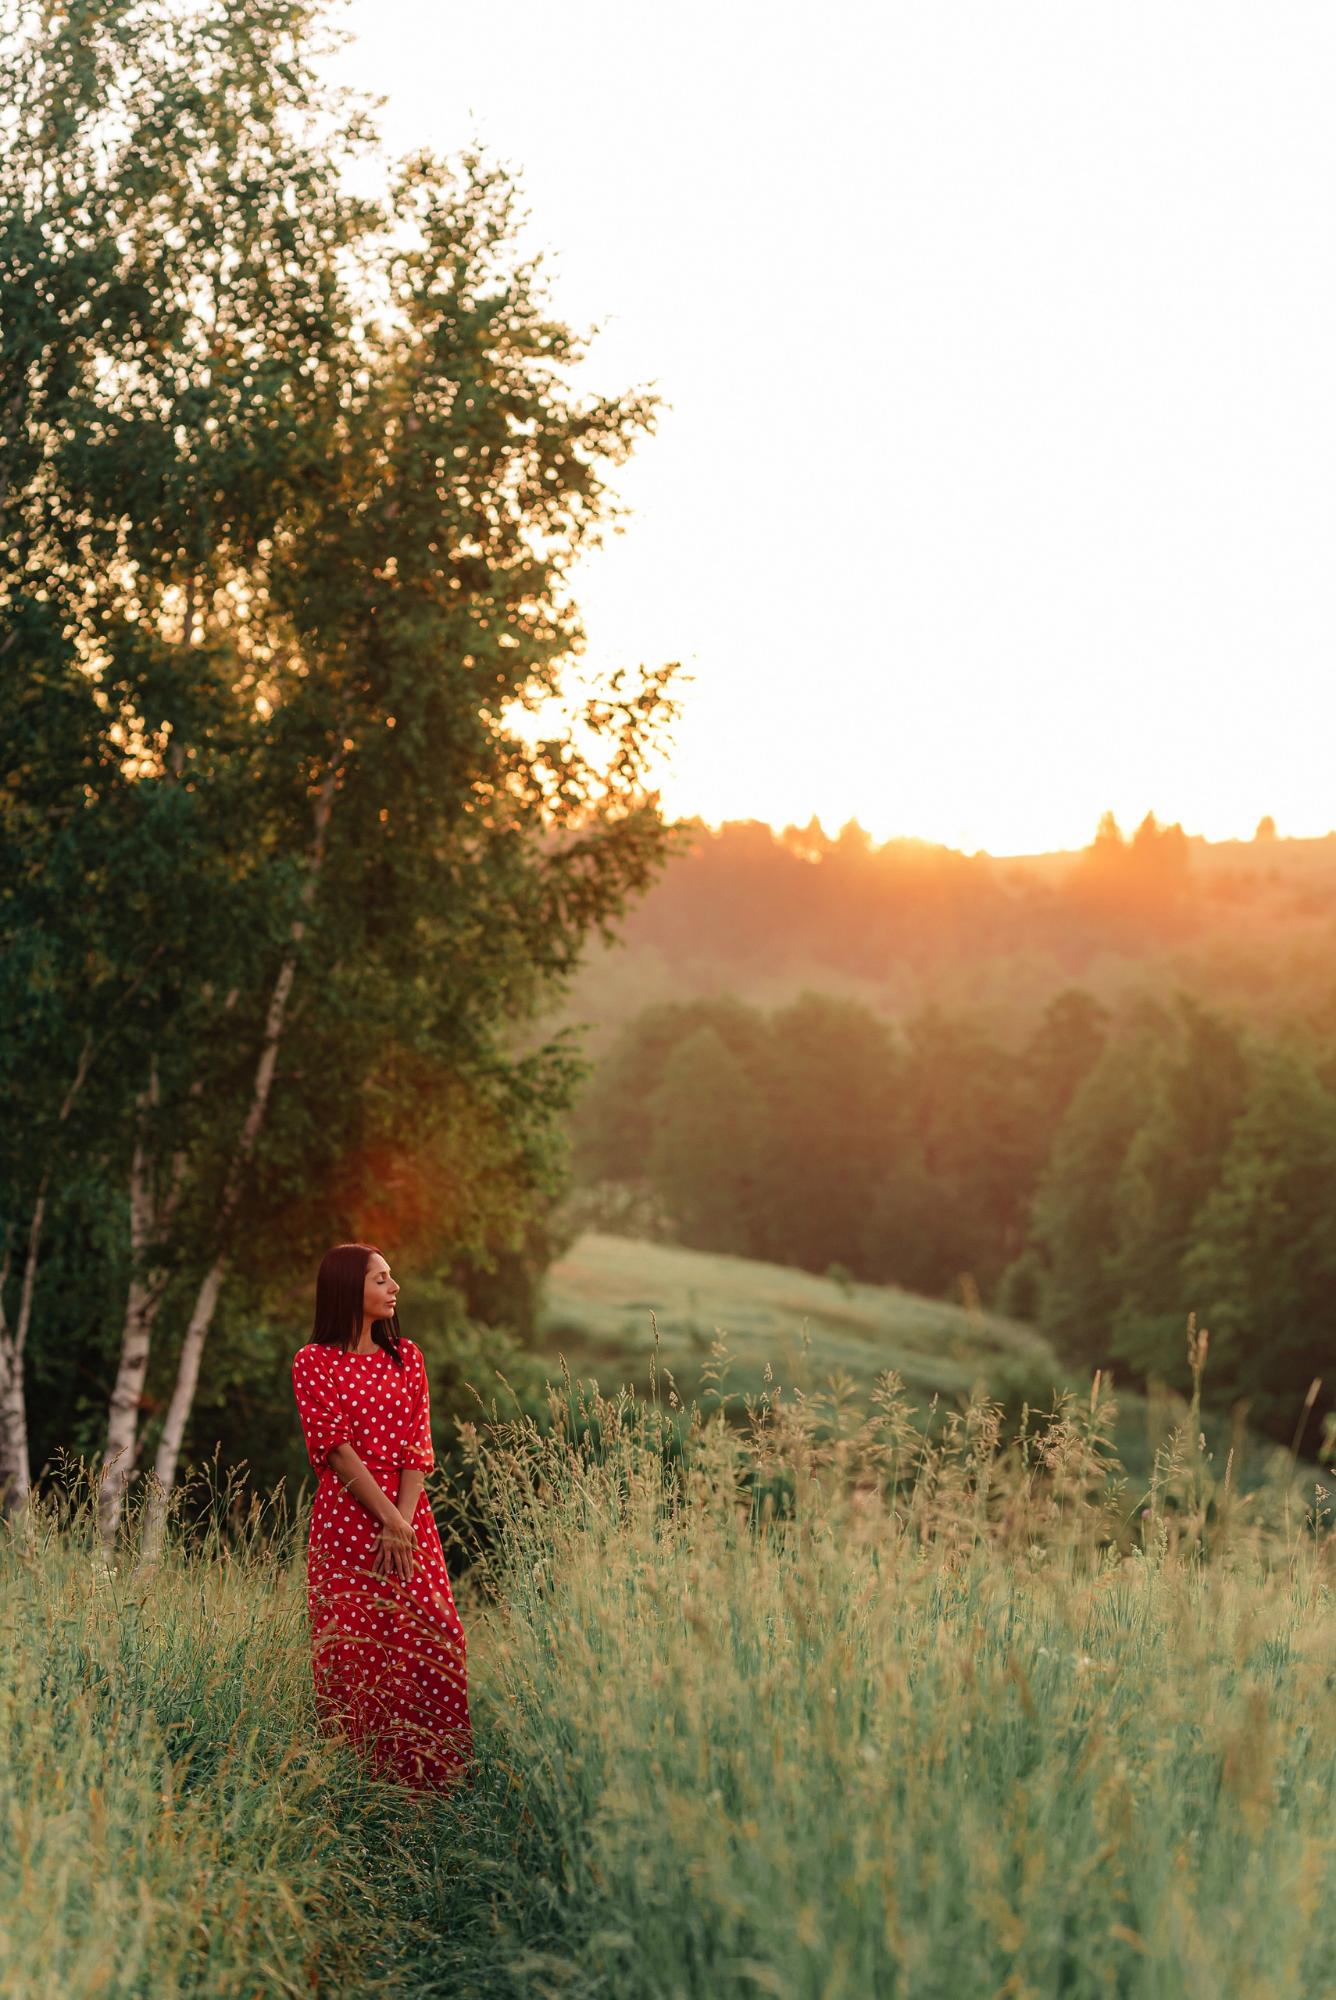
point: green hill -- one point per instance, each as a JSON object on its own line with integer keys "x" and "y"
{"x": 607, "y": 1294}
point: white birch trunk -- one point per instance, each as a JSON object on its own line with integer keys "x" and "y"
{"x": 141, "y": 1310}
{"x": 206, "y": 1299}
{"x": 13, "y": 1401}
{"x": 14, "y": 1471}
{"x": 150, "y": 1220}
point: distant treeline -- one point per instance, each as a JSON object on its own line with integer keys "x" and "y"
{"x": 750, "y": 899}
{"x": 1116, "y": 1172}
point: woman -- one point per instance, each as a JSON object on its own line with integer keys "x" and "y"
{"x": 388, "y": 1654}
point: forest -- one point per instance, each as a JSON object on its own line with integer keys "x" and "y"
{"x": 1102, "y": 1159}
{"x": 902, "y": 923}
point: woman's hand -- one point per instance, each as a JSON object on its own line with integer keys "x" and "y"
{"x": 396, "y": 1549}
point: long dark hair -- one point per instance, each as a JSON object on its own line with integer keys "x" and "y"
{"x": 340, "y": 1285}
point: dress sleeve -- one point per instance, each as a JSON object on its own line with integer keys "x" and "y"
{"x": 325, "y": 1421}
{"x": 417, "y": 1448}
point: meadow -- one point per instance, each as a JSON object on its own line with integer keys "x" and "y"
{"x": 808, "y": 1705}
{"x": 612, "y": 1304}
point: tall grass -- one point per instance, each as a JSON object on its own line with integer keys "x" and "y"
{"x": 831, "y": 1710}
{"x": 170, "y": 1821}
{"x": 814, "y": 1703}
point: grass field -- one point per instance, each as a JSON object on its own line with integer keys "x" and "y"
{"x": 816, "y": 1711}
{"x": 607, "y": 1295}
{"x": 601, "y": 1294}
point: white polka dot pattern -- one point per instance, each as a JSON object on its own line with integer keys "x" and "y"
{"x": 388, "y": 1655}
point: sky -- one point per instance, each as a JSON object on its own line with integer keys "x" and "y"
{"x": 995, "y": 484}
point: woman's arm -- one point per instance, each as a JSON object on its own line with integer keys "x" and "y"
{"x": 387, "y": 1560}
{"x": 362, "y": 1483}
{"x": 411, "y": 1482}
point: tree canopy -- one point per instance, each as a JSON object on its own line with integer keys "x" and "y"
{"x": 294, "y": 483}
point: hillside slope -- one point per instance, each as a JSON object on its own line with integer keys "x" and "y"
{"x": 601, "y": 1294}
{"x": 607, "y": 1294}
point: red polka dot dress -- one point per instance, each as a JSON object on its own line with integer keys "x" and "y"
{"x": 388, "y": 1655}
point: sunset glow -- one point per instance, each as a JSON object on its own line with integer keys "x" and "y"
{"x": 996, "y": 486}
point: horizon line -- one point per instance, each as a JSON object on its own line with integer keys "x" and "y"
{"x": 1256, "y": 839}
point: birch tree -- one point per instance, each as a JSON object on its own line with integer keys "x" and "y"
{"x": 310, "y": 483}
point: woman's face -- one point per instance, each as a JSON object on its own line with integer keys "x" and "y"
{"x": 381, "y": 1290}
